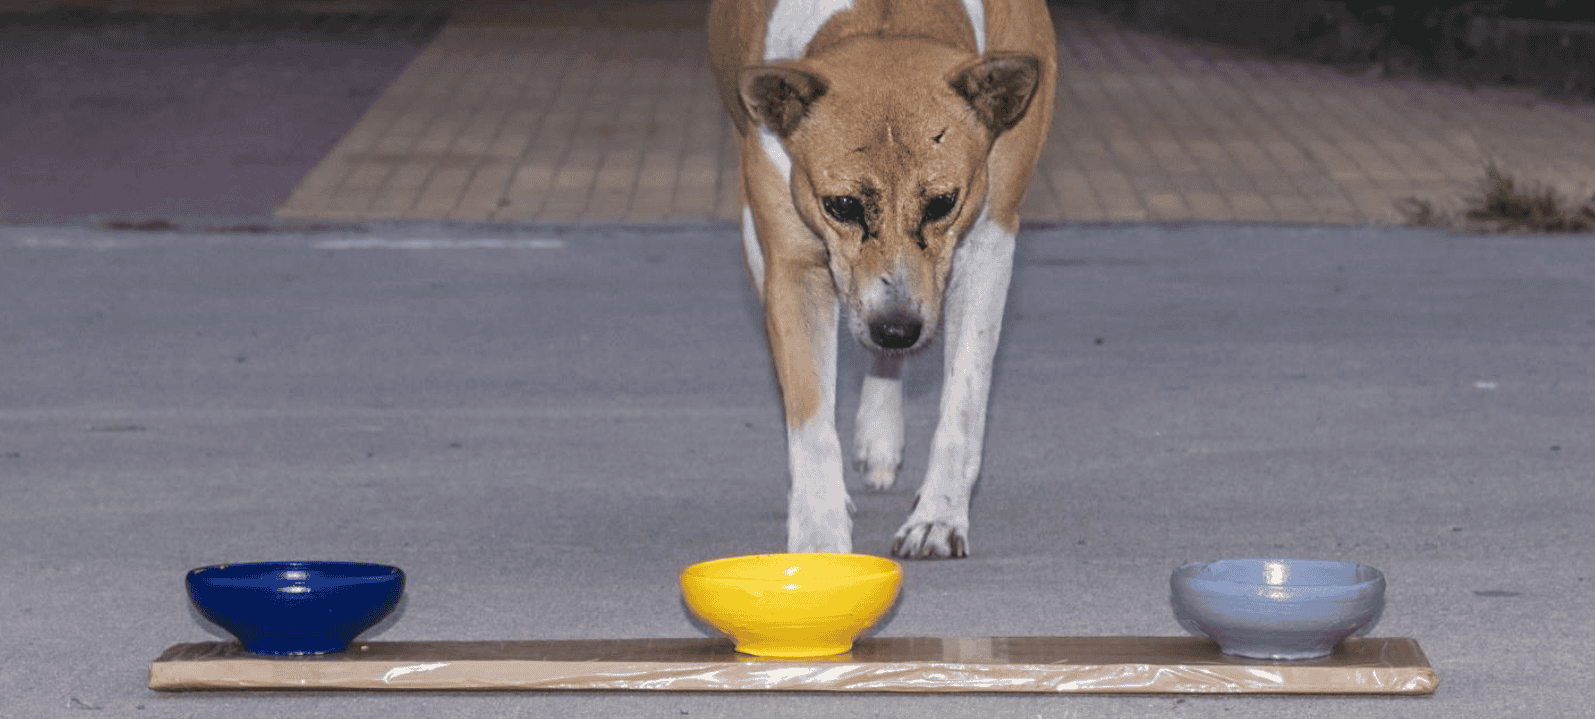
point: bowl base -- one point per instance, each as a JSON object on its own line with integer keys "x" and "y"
{"x": 794, "y": 651}
{"x": 1274, "y": 654}
{"x": 293, "y": 648}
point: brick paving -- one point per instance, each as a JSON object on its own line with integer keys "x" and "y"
{"x": 605, "y": 113}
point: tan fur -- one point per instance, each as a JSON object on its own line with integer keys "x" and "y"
{"x": 1021, "y": 26}
{"x": 882, "y": 139}
{"x": 796, "y": 286}
{"x": 736, "y": 40}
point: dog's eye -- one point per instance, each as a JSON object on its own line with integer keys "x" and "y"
{"x": 940, "y": 206}
{"x": 844, "y": 208}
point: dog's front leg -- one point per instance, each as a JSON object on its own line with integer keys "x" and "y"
{"x": 878, "y": 431}
{"x": 939, "y": 524}
{"x": 801, "y": 314}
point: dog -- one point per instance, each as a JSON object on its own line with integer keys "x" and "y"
{"x": 886, "y": 146}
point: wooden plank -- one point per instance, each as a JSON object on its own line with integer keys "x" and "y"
{"x": 1156, "y": 665}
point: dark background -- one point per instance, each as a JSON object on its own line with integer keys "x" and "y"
{"x": 1542, "y": 43}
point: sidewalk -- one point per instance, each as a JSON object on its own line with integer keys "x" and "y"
{"x": 555, "y": 112}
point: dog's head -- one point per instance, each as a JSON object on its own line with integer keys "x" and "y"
{"x": 889, "y": 140}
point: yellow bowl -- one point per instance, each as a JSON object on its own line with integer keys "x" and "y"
{"x": 792, "y": 605}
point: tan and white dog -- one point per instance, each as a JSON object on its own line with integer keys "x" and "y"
{"x": 886, "y": 145}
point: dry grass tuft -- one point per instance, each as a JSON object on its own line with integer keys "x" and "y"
{"x": 1505, "y": 209}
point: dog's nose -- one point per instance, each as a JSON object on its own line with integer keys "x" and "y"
{"x": 895, "y": 330}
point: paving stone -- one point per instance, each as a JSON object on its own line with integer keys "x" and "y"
{"x": 609, "y": 114}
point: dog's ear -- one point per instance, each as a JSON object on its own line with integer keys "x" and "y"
{"x": 999, "y": 87}
{"x": 779, "y": 97}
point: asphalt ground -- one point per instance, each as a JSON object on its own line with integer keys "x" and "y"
{"x": 542, "y": 424}
{"x": 543, "y": 433}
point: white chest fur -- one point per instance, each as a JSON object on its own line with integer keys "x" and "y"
{"x": 793, "y": 23}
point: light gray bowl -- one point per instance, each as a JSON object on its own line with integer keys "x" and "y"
{"x": 1289, "y": 609}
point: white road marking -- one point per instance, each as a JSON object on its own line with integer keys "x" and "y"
{"x": 378, "y": 243}
{"x": 98, "y": 243}
{"x": 92, "y": 242}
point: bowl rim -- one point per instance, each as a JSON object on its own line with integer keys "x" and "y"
{"x": 884, "y": 567}
{"x": 1191, "y": 572}
{"x": 247, "y": 569}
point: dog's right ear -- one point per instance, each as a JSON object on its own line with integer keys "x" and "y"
{"x": 779, "y": 97}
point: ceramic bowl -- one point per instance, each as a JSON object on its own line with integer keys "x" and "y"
{"x": 792, "y": 605}
{"x": 295, "y": 607}
{"x": 1288, "y": 609}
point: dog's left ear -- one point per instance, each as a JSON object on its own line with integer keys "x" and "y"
{"x": 999, "y": 87}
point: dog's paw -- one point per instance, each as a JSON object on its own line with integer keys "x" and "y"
{"x": 879, "y": 473}
{"x": 931, "y": 540}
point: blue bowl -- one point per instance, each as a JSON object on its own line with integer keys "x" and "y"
{"x": 1286, "y": 609}
{"x": 296, "y": 607}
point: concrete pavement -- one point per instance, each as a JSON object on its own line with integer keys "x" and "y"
{"x": 543, "y": 424}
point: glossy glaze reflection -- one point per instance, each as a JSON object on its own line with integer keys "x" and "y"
{"x": 1285, "y": 609}
{"x": 295, "y": 607}
{"x": 792, "y": 605}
